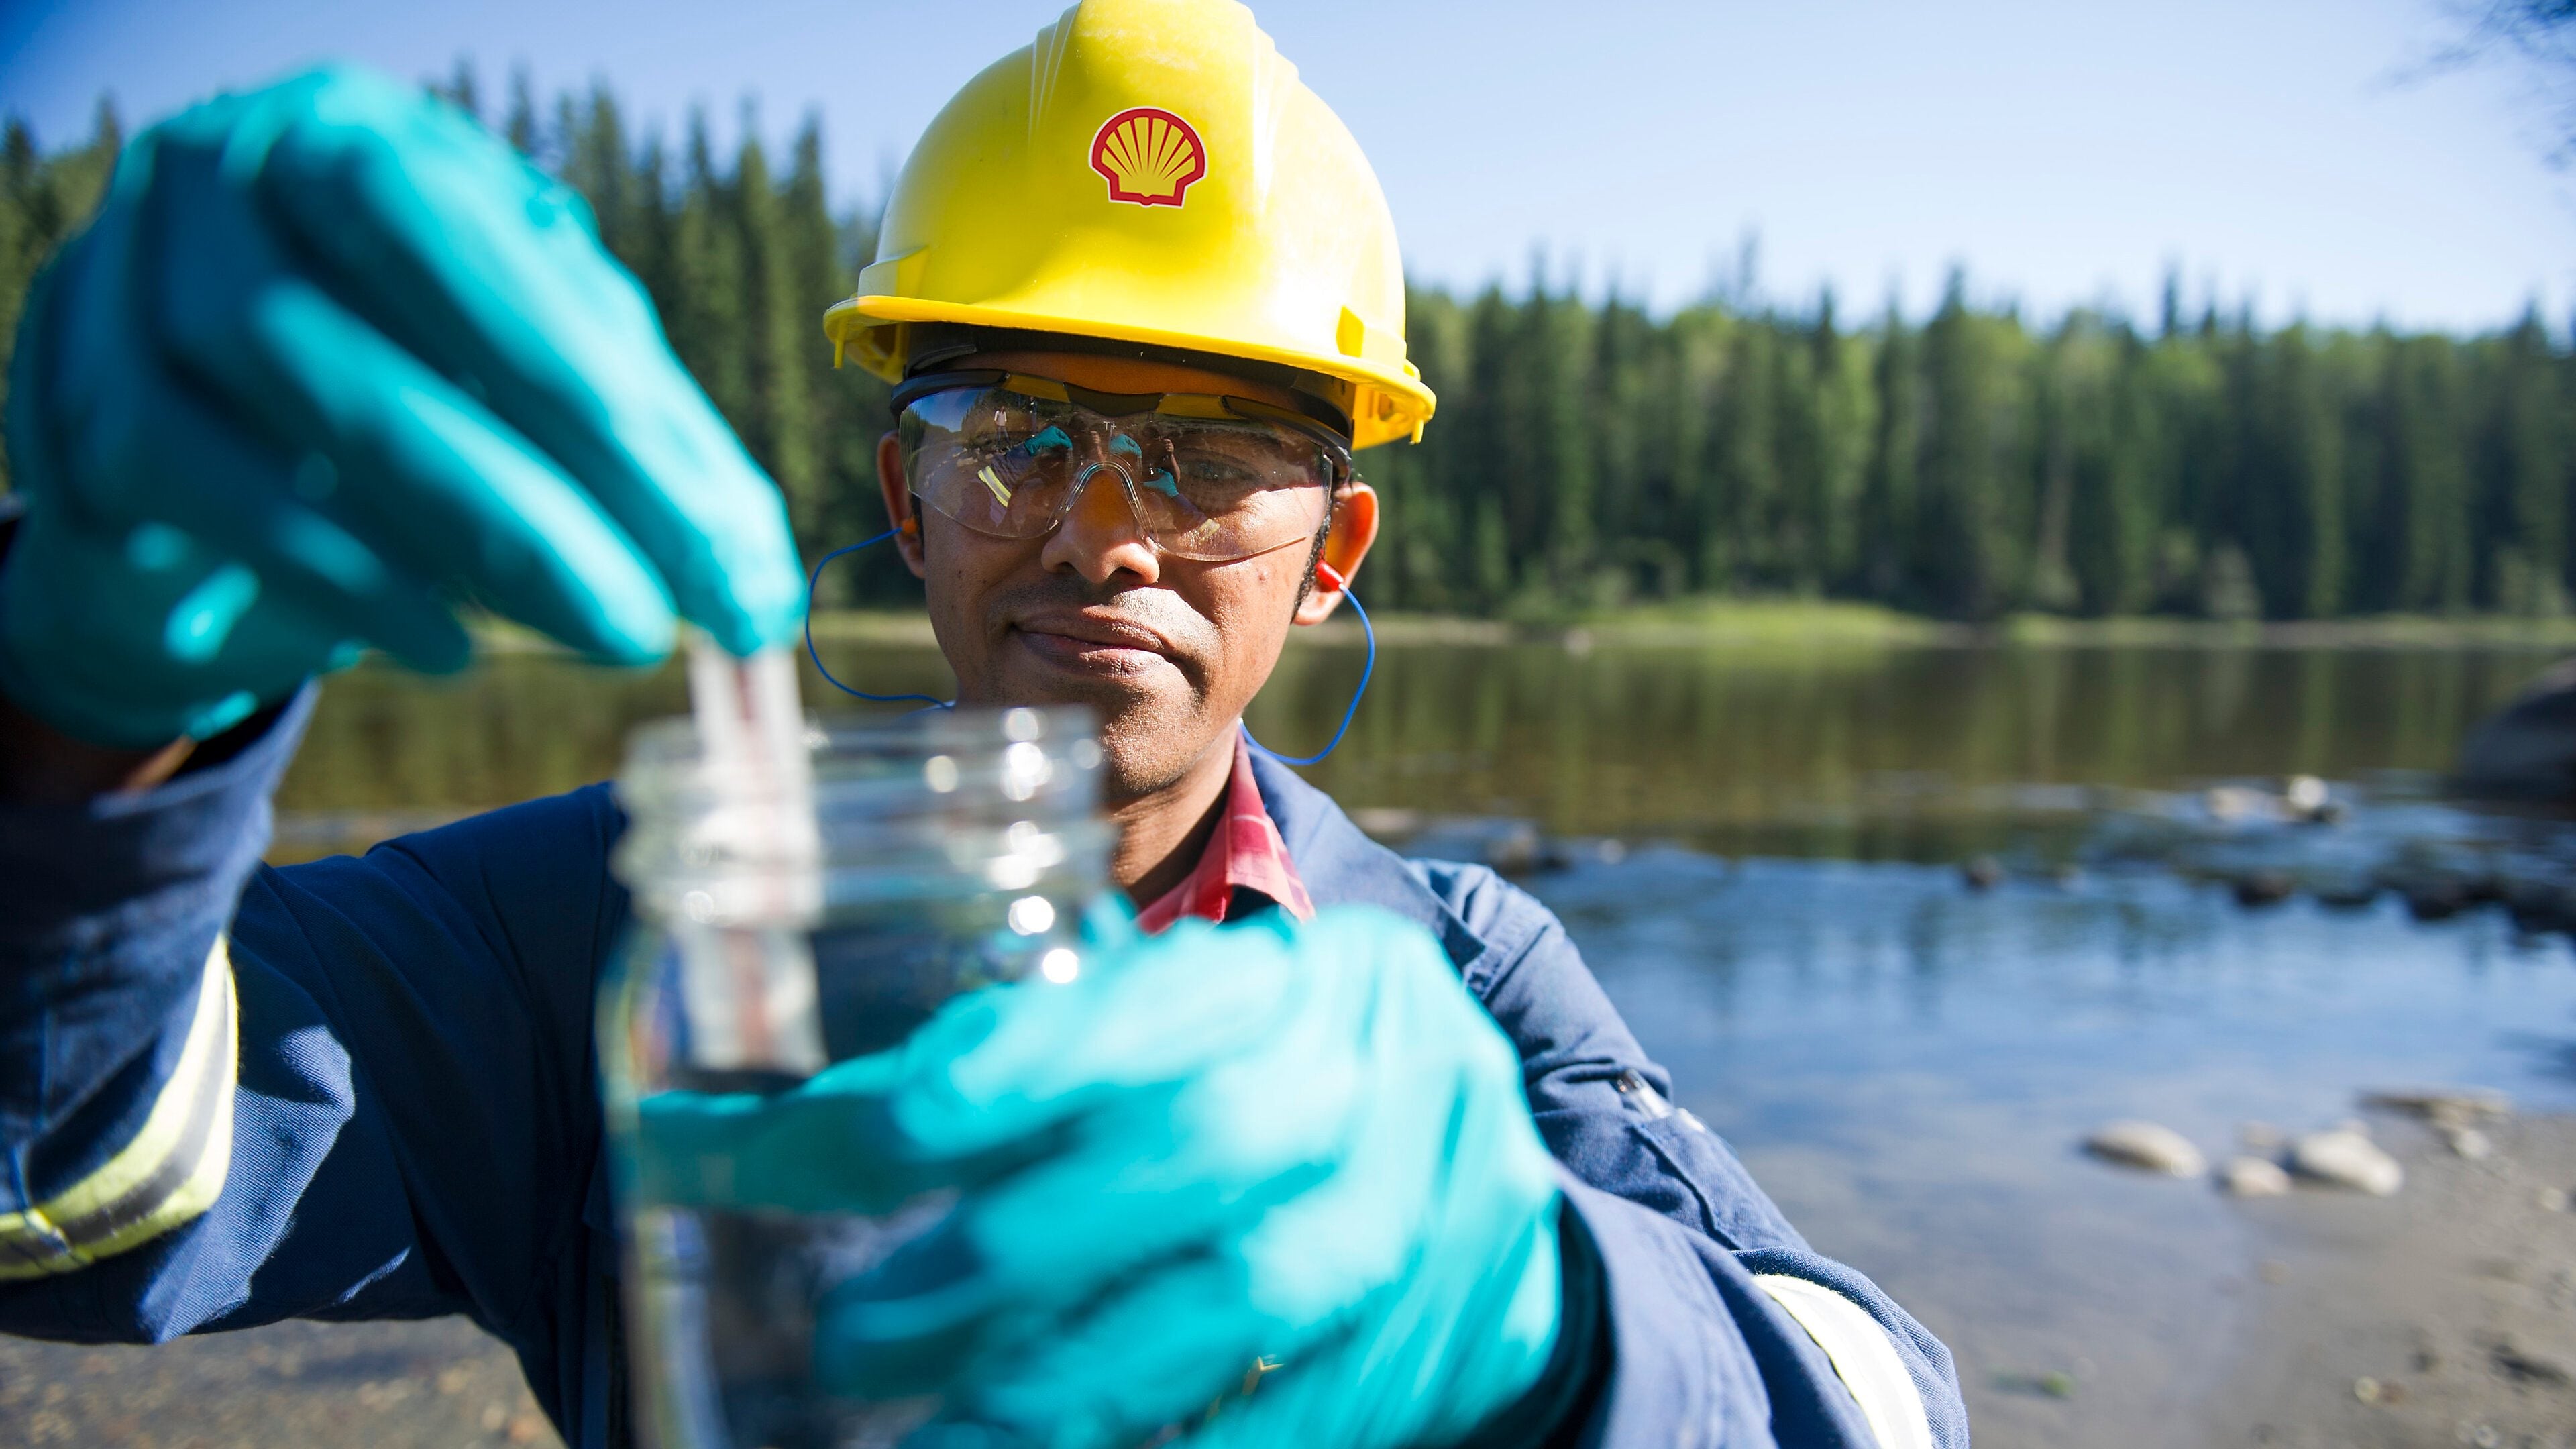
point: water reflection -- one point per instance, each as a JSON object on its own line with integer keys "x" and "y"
{"x": 1632, "y": 741}
{"x": 1670, "y": 740}
{"x": 1906, "y": 1063}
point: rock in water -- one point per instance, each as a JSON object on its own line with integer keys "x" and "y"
{"x": 2345, "y": 1158}
{"x": 2468, "y": 1142}
{"x": 2306, "y": 797}
{"x": 1511, "y": 847}
{"x": 2264, "y": 888}
{"x": 2253, "y": 1177}
{"x": 2527, "y": 749}
{"x": 2149, "y": 1146}
{"x": 2444, "y": 1105}
{"x": 2228, "y": 804}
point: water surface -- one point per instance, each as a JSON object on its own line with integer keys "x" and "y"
{"x": 1760, "y": 864}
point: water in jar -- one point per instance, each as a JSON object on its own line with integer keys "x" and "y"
{"x": 946, "y": 852}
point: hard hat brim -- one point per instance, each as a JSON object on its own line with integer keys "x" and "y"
{"x": 1388, "y": 403}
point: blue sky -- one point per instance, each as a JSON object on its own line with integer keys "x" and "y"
{"x": 2063, "y": 151}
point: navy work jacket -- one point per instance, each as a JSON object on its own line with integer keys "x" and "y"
{"x": 366, "y": 1088}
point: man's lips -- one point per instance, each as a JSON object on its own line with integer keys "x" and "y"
{"x": 1095, "y": 639}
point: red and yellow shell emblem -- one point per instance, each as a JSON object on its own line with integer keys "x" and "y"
{"x": 1148, "y": 156}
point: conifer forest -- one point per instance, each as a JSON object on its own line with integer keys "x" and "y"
{"x": 1592, "y": 454}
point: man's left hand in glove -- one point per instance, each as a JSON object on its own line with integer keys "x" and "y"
{"x": 1304, "y": 1148}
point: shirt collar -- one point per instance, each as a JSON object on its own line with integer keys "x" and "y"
{"x": 1244, "y": 853}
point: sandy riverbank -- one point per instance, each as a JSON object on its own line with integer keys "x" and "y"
{"x": 443, "y": 1384}
{"x": 2456, "y": 1300}
{"x": 2445, "y": 1315}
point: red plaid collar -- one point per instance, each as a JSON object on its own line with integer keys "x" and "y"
{"x": 1245, "y": 853}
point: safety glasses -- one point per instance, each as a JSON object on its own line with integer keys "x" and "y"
{"x": 1210, "y": 478}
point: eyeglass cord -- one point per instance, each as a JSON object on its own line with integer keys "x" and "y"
{"x": 1367, "y": 630}
{"x": 1368, "y": 668}
{"x": 814, "y": 581}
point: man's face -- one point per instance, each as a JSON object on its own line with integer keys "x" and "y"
{"x": 1167, "y": 650}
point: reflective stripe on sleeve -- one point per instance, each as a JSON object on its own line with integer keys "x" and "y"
{"x": 168, "y": 1174}
{"x": 1862, "y": 1355}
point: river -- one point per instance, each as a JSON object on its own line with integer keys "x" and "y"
{"x": 1759, "y": 851}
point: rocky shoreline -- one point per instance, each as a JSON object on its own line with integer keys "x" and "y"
{"x": 2445, "y": 1314}
{"x": 439, "y": 1384}
{"x": 2442, "y": 1315}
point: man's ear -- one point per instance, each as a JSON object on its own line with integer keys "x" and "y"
{"x": 898, "y": 503}
{"x": 1345, "y": 548}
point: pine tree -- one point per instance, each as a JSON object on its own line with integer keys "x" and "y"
{"x": 774, "y": 411}
{"x": 1889, "y": 493}
{"x": 2427, "y": 448}
{"x": 1586, "y": 454}
{"x": 2524, "y": 466}
{"x": 1965, "y": 543}
{"x": 1742, "y": 551}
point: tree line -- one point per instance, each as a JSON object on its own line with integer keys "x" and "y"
{"x": 1589, "y": 455}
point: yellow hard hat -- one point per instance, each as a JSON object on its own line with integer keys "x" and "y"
{"x": 1148, "y": 171}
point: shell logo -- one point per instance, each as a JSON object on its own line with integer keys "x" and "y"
{"x": 1148, "y": 156}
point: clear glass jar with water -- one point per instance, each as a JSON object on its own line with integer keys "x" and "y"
{"x": 943, "y": 852}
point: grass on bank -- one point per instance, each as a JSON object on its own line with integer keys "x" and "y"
{"x": 1768, "y": 624}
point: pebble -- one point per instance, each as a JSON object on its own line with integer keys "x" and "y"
{"x": 2147, "y": 1145}
{"x": 2436, "y": 900}
{"x": 2305, "y": 795}
{"x": 1511, "y": 847}
{"x": 2366, "y": 1389}
{"x": 1386, "y": 821}
{"x": 2551, "y": 1199}
{"x": 2237, "y": 802}
{"x": 2264, "y": 888}
{"x": 2469, "y": 1143}
{"x": 2529, "y": 1368}
{"x": 2344, "y": 1158}
{"x": 2443, "y": 1104}
{"x": 2253, "y": 1177}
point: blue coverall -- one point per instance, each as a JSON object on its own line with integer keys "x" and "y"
{"x": 415, "y": 1124}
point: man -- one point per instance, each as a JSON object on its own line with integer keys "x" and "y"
{"x": 329, "y": 361}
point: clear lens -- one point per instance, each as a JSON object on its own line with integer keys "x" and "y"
{"x": 1009, "y": 465}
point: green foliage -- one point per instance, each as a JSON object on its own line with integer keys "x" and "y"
{"x": 43, "y": 198}
{"x": 1593, "y": 456}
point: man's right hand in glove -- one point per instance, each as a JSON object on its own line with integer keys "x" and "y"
{"x": 332, "y": 362}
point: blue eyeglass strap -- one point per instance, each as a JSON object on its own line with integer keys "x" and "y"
{"x": 814, "y": 581}
{"x": 1368, "y": 630}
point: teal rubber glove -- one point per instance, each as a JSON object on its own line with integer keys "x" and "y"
{"x": 331, "y": 362}
{"x": 1305, "y": 1147}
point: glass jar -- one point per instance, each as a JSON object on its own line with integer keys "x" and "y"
{"x": 941, "y": 853}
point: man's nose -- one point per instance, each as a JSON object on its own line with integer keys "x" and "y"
{"x": 1102, "y": 535}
